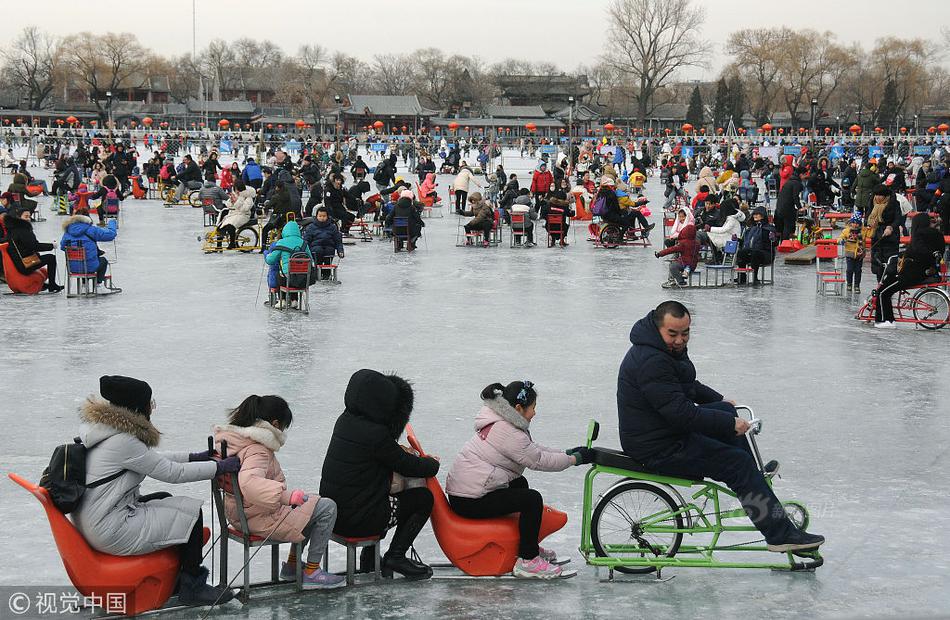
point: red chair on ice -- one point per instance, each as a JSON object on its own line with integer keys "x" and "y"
{"x": 29, "y": 284}
{"x": 479, "y": 547}
{"x": 137, "y": 583}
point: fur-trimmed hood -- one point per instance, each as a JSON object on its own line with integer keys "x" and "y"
{"x": 76, "y": 219}
{"x": 103, "y": 420}
{"x": 498, "y": 408}
{"x": 262, "y": 432}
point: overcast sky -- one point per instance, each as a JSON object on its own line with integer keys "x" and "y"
{"x": 565, "y": 32}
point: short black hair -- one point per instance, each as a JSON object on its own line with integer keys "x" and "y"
{"x": 669, "y": 307}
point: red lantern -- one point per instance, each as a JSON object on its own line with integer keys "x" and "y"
{"x": 378, "y": 124}
{"x": 667, "y": 131}
{"x": 193, "y": 125}
{"x": 404, "y": 128}
{"x": 132, "y": 124}
{"x": 879, "y": 129}
{"x": 855, "y": 129}
{"x": 702, "y": 130}
{"x": 224, "y": 122}
{"x": 163, "y": 124}
{"x": 147, "y": 121}
{"x": 903, "y": 130}
{"x": 686, "y": 128}
{"x": 453, "y": 125}
{"x": 530, "y": 126}
{"x": 766, "y": 128}
{"x": 719, "y": 130}
{"x": 561, "y": 130}
{"x": 270, "y": 125}
{"x": 931, "y": 129}
{"x": 72, "y": 120}
{"x": 466, "y": 128}
{"x": 60, "y": 121}
{"x": 781, "y": 131}
{"x": 943, "y": 128}
{"x": 279, "y": 126}
{"x": 609, "y": 127}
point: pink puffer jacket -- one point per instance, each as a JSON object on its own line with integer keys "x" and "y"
{"x": 499, "y": 452}
{"x": 266, "y": 497}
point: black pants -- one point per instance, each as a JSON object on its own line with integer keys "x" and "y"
{"x": 101, "y": 270}
{"x": 527, "y": 231}
{"x": 891, "y": 284}
{"x": 228, "y": 229}
{"x": 729, "y": 461}
{"x": 485, "y": 227}
{"x": 785, "y": 226}
{"x": 411, "y": 502}
{"x": 326, "y": 259}
{"x": 460, "y": 198}
{"x": 516, "y": 498}
{"x": 747, "y": 257}
{"x": 48, "y": 261}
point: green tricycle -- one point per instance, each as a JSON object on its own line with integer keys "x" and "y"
{"x": 638, "y": 524}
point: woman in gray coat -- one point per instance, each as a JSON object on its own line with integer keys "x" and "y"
{"x": 115, "y": 518}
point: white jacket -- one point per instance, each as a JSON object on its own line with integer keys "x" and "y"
{"x": 720, "y": 235}
{"x": 462, "y": 180}
{"x": 239, "y": 213}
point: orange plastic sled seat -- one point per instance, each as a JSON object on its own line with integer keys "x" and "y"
{"x": 138, "y": 192}
{"x": 580, "y": 209}
{"x": 146, "y": 581}
{"x": 30, "y": 284}
{"x": 480, "y": 547}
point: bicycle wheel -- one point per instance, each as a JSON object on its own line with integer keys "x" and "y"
{"x": 621, "y": 524}
{"x": 931, "y": 308}
{"x": 798, "y": 514}
{"x": 247, "y": 239}
{"x": 194, "y": 198}
{"x": 610, "y": 236}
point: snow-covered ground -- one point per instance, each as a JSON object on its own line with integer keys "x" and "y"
{"x": 855, "y": 415}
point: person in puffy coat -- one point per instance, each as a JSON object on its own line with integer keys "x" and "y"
{"x": 427, "y": 189}
{"x": 487, "y": 479}
{"x": 688, "y": 249}
{"x": 483, "y": 217}
{"x": 113, "y": 516}
{"x": 787, "y": 205}
{"x": 324, "y": 238}
{"x": 541, "y": 182}
{"x": 255, "y": 433}
{"x": 867, "y": 179}
{"x": 361, "y": 459}
{"x": 279, "y": 254}
{"x": 238, "y": 213}
{"x": 707, "y": 178}
{"x": 79, "y": 230}
{"x": 758, "y": 245}
{"x": 407, "y": 208}
{"x": 719, "y": 236}
{"x": 23, "y": 243}
{"x": 462, "y": 181}
{"x": 675, "y": 425}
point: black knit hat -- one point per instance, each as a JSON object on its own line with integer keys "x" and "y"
{"x": 127, "y": 392}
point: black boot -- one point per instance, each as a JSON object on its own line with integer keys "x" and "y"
{"x": 193, "y": 590}
{"x": 395, "y": 560}
{"x": 367, "y": 561}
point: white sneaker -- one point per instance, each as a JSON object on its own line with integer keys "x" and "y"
{"x": 886, "y": 325}
{"x": 537, "y": 568}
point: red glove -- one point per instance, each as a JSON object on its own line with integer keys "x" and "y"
{"x": 298, "y": 498}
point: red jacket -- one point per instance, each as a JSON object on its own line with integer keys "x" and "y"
{"x": 686, "y": 246}
{"x": 541, "y": 182}
{"x": 786, "y": 170}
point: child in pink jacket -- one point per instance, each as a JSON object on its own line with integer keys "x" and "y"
{"x": 255, "y": 433}
{"x": 486, "y": 479}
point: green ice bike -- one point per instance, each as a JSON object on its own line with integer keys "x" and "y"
{"x": 638, "y": 524}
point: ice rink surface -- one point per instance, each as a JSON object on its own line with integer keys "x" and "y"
{"x": 856, "y": 416}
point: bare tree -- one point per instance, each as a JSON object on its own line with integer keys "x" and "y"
{"x": 393, "y": 73}
{"x": 811, "y": 65}
{"x": 29, "y": 65}
{"x": 650, "y": 40}
{"x": 183, "y": 74}
{"x": 308, "y": 80}
{"x": 755, "y": 61}
{"x": 217, "y": 62}
{"x": 102, "y": 63}
{"x": 353, "y": 75}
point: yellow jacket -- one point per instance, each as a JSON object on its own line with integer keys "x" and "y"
{"x": 637, "y": 179}
{"x": 854, "y": 247}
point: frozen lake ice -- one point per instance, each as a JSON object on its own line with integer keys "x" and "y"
{"x": 855, "y": 415}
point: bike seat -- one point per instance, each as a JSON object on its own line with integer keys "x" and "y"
{"x": 608, "y": 457}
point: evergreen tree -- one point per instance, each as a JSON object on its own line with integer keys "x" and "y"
{"x": 736, "y": 107}
{"x": 694, "y": 114}
{"x": 721, "y": 107}
{"x": 887, "y": 111}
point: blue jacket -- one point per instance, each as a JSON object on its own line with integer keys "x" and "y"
{"x": 759, "y": 236}
{"x": 323, "y": 238}
{"x": 272, "y": 270}
{"x": 80, "y": 229}
{"x": 252, "y": 172}
{"x": 658, "y": 397}
{"x": 290, "y": 243}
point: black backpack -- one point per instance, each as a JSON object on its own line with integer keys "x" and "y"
{"x": 65, "y": 477}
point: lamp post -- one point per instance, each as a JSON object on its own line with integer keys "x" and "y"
{"x": 570, "y": 134}
{"x": 916, "y": 124}
{"x": 109, "y": 108}
{"x": 339, "y": 118}
{"x": 814, "y": 119}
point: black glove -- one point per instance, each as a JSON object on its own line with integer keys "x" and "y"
{"x": 657, "y": 254}
{"x": 340, "y": 253}
{"x": 582, "y": 454}
{"x": 200, "y": 456}
{"x": 230, "y": 465}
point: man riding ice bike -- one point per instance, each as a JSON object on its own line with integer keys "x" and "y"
{"x": 676, "y": 426}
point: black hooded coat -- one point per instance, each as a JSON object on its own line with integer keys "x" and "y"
{"x": 364, "y": 452}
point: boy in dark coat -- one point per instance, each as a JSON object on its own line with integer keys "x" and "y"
{"x": 324, "y": 238}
